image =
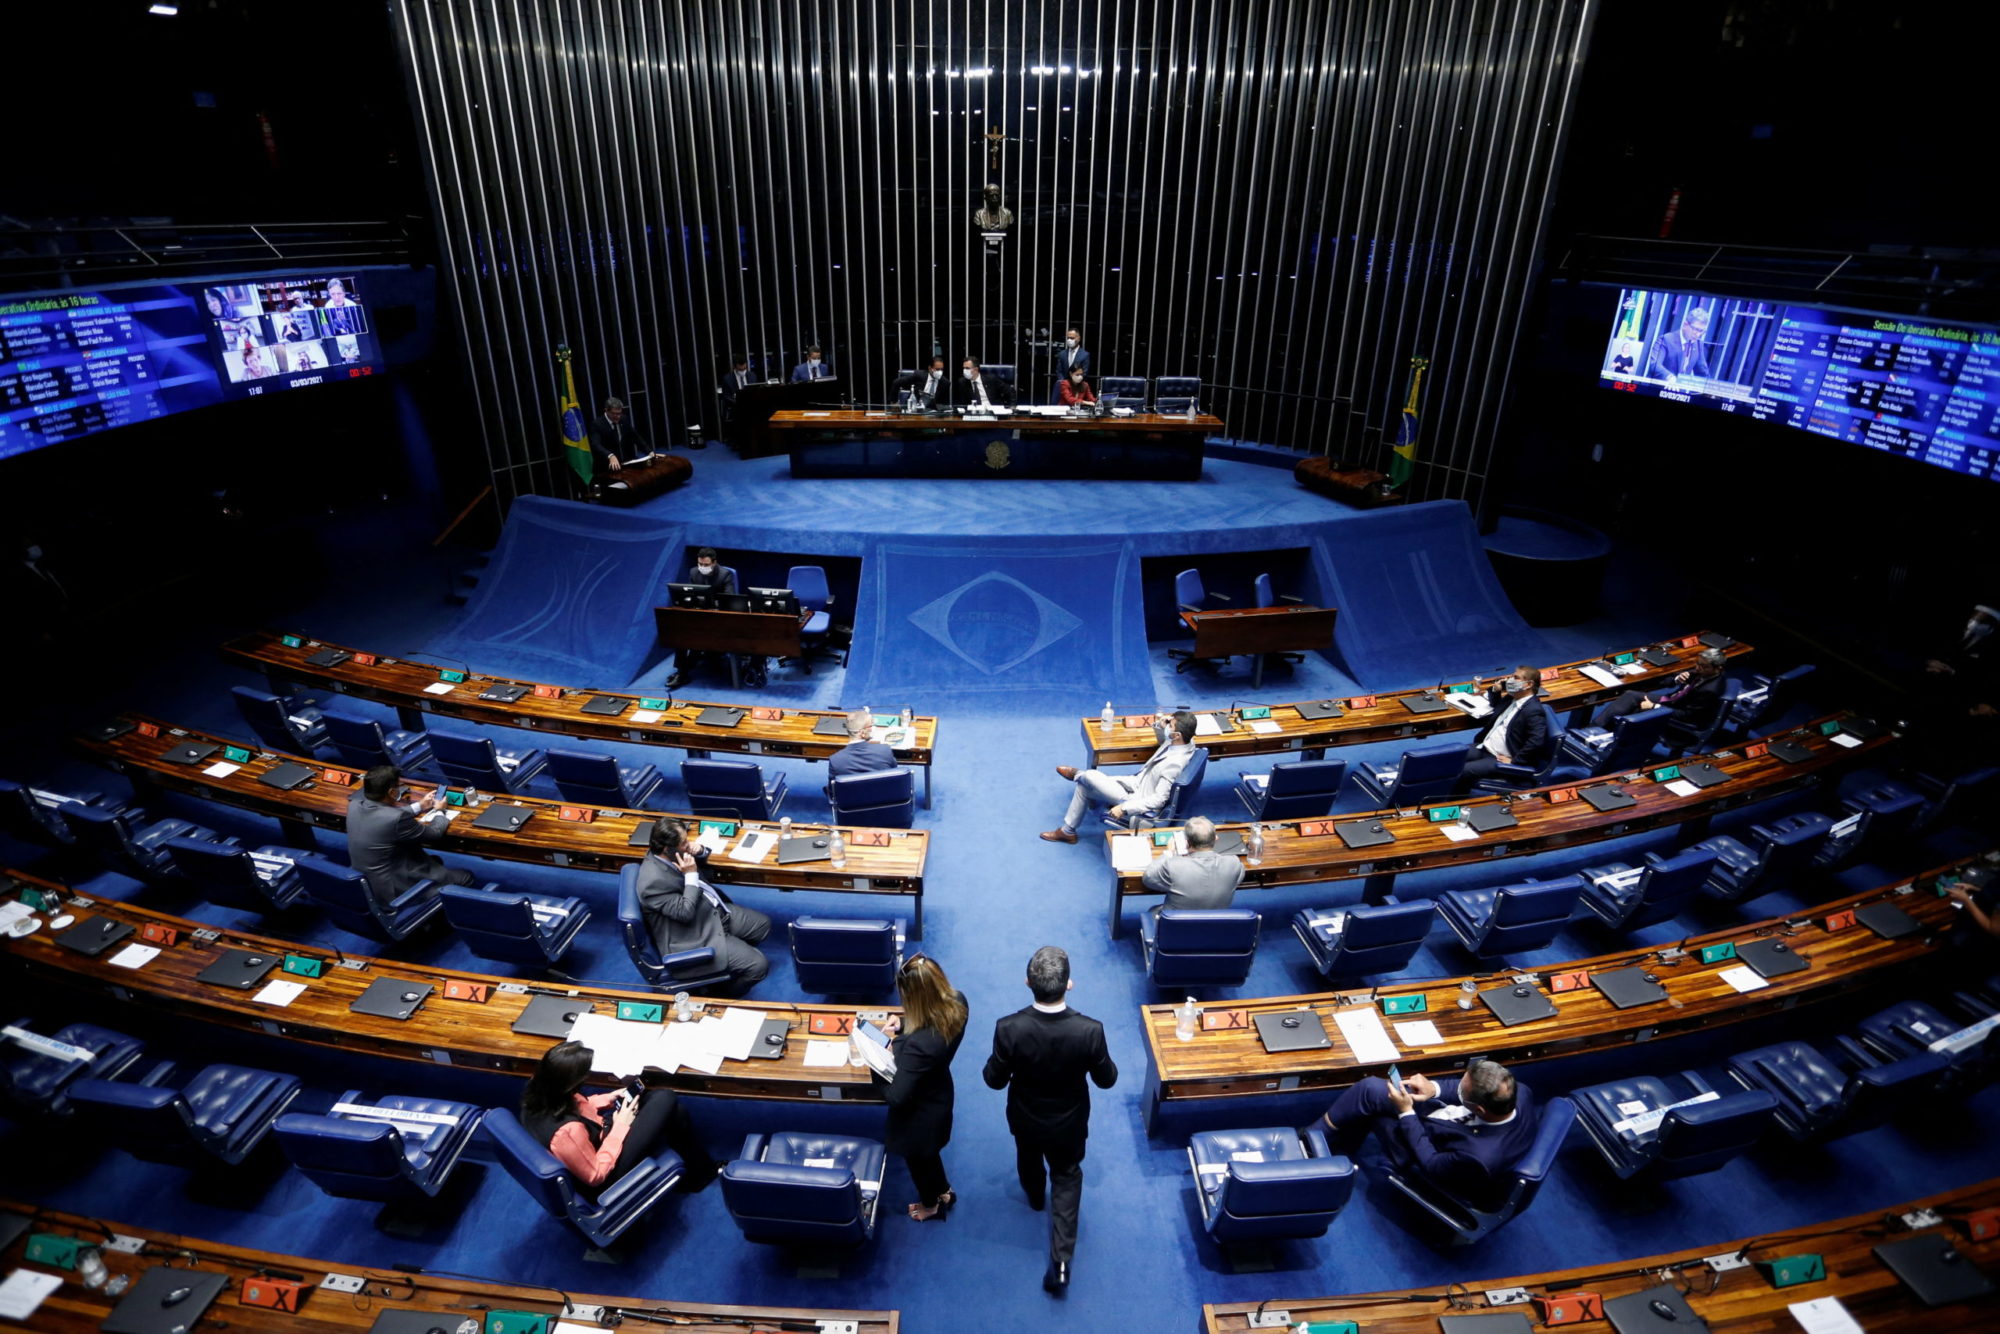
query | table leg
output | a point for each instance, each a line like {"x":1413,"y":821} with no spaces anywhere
{"x":1257,"y":673}
{"x":927,"y":787}
{"x":917,"y":916}
{"x":1117,"y":909}
{"x":735,"y":672}
{"x":1376,"y":888}
{"x":297,"y":833}
{"x":409,"y":719}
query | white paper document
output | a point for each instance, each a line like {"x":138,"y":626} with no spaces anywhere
{"x":1205,"y":725}
{"x":135,"y":956}
{"x":1824,"y":1315}
{"x":1847,"y":739}
{"x":647,"y":715}
{"x":618,"y":1046}
{"x":281,"y":992}
{"x":1680,"y":787}
{"x":11,"y":913}
{"x":1419,"y":1033}
{"x":1366,"y":1038}
{"x":732,"y":1034}
{"x":1458,"y":831}
{"x":1264,"y":725}
{"x":1599,"y":675}
{"x":754,"y":847}
{"x":1743,"y":978}
{"x":221,"y":769}
{"x":822,"y":1054}
{"x":1131,"y":852}
{"x":24,"y":1290}
{"x":438,"y":688}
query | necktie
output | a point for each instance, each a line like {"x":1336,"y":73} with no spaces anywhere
{"x":980,"y":387}
{"x":814,"y":372}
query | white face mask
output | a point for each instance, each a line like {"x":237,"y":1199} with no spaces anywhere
{"x":813,"y":360}
{"x":705,"y":567}
{"x":1070,"y":341}
{"x":972,"y":375}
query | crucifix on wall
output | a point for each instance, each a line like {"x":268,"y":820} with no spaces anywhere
{"x":994,"y":138}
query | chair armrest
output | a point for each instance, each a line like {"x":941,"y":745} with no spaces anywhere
{"x":686,"y":957}
{"x":1314,"y":1139}
{"x":754,"y":1146}
{"x":1287,"y":597}
{"x":422,"y":889}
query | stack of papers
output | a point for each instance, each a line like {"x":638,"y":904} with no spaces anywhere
{"x":1419,"y":1033}
{"x":1366,"y":1038}
{"x":282,"y":992}
{"x":1743,"y":978}
{"x":754,"y":847}
{"x":1847,"y":739}
{"x":1264,"y":725}
{"x":135,"y":956}
{"x":1680,"y":787}
{"x":623,"y":1048}
{"x":1599,"y":675}
{"x":824,"y":1055}
{"x":223,"y":768}
{"x":1131,"y":852}
{"x":1458,"y":831}
{"x":438,"y":688}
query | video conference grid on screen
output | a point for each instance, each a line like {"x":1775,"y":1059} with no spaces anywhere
{"x":72,"y":363}
{"x":1923,"y":390}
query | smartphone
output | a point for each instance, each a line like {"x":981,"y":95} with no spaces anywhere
{"x":1396,"y":1075}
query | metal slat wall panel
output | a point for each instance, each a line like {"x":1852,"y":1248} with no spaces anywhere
{"x":1289,"y":200}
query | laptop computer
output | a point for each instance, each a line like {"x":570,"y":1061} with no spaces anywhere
{"x":1627,"y":987}
{"x":1931,"y":1267}
{"x":391,"y":998}
{"x":144,"y":1309}
{"x":1657,"y":657}
{"x":286,"y":776}
{"x":791,"y":851}
{"x":1518,"y":1003}
{"x":1711,"y":639}
{"x":241,"y":969}
{"x":1486,"y":1322}
{"x":551,"y":1016}
{"x":1485,"y":819}
{"x":1317,"y":710}
{"x":190,"y":752}
{"x":507,"y":819}
{"x":1363,"y":833}
{"x":1229,"y":842}
{"x":1292,"y":1030}
{"x":328,"y":657}
{"x":94,"y":935}
{"x":1703,"y":775}
{"x":1606,"y":797}
{"x":830,"y":727}
{"x":1423,"y":703}
{"x":1640,"y":1313}
{"x":1866,"y":729}
{"x":1791,"y":752}
{"x":763,"y":1049}
{"x":606,"y":706}
{"x":725,"y":717}
{"x":110,"y":731}
{"x":503,"y":694}
{"x":1771,"y":958}
{"x":409,"y":1321}
{"x":1887,"y":920}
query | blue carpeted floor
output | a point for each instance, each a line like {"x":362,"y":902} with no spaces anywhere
{"x":996,"y":894}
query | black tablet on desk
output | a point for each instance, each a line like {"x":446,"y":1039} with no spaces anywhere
{"x":164,"y":1300}
{"x":240,"y":969}
{"x":1364,"y":834}
{"x":94,"y":935}
{"x":1887,"y":920}
{"x":1229,"y":842}
{"x":391,"y":998}
{"x":190,"y":752}
{"x":1657,"y":657}
{"x":286,"y":776}
{"x":1422,"y":703}
{"x":1703,"y":774}
{"x":1485,"y":819}
{"x":110,"y":731}
{"x":606,"y":706}
{"x":1318,"y":710}
{"x":409,"y":1321}
{"x":506,"y":819}
{"x":1518,"y":1003}
{"x":1606,"y":797}
{"x":1292,"y":1030}
{"x":830,"y":727}
{"x":721,"y":716}
{"x":1627,"y":987}
{"x":1654,"y":1311}
{"x":1791,"y":752}
{"x":1931,"y":1267}
{"x":812,"y":848}
{"x":551,"y":1016}
{"x":328,"y":657}
{"x":501,"y":694}
{"x":1771,"y":958}
{"x":642,"y":837}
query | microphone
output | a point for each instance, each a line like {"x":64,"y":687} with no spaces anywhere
{"x":1236,"y":705}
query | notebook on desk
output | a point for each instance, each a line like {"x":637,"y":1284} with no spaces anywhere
{"x":1711,"y":639}
{"x":1791,"y":752}
{"x":1772,"y":958}
{"x":1486,"y":819}
{"x":643,"y":835}
{"x":1932,"y":1267}
{"x":1640,"y":1313}
{"x":286,"y":776}
{"x":328,"y":657}
{"x":1292,"y":1030}
{"x":1518,"y":1003}
{"x":606,"y":706}
{"x":1703,"y":775}
{"x":145,"y":1309}
{"x":551,"y":1016}
{"x":792,"y":851}
{"x":830,"y":727}
{"x":391,"y":998}
{"x":409,"y":1321}
{"x":723,"y":716}
{"x":1606,"y":797}
{"x":1317,"y":710}
{"x":1887,"y":921}
{"x":1423,"y":703}
{"x":110,"y":731}
{"x":501,"y":694}
{"x":505,"y":819}
{"x":190,"y":752}
{"x":94,"y":935}
{"x":1364,"y":834}
{"x":1627,"y":987}
{"x":1657,"y":657}
{"x":239,"y":969}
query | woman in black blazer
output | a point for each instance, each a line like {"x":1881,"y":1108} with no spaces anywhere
{"x":920,"y":1096}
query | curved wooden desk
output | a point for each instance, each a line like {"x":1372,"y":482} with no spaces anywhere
{"x":75,"y":1309}
{"x":1385,"y":719}
{"x":1301,"y":852}
{"x":410,"y":688}
{"x":1740,"y":1299}
{"x":442,"y":1031}
{"x":1233,"y":1063}
{"x":893,"y":870}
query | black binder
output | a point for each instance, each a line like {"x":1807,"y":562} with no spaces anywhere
{"x":410,"y":1321}
{"x":240,"y":969}
{"x":391,"y":998}
{"x":1511,"y":1008}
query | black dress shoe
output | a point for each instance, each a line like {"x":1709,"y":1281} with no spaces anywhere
{"x":675,"y":681}
{"x":1037,"y":1203}
{"x":1056,"y":1281}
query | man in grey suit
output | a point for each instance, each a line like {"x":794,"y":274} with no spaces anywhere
{"x":1202,"y":878}
{"x":385,"y":841}
{"x":685,"y":912}
{"x":1147,"y":791}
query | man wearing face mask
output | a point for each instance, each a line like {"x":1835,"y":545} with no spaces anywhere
{"x":814,"y":367}
{"x":976,"y":391}
{"x":715,"y":576}
{"x":1519,"y":731}
{"x":1459,"y":1134}
{"x":931,"y":386}
{"x":1072,"y":358}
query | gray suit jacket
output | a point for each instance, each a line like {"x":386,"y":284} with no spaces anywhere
{"x":1204,"y":879}
{"x":1156,"y":779}
{"x":679,"y":915}
{"x":386,"y":844}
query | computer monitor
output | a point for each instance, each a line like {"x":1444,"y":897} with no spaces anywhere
{"x":780,"y":601}
{"x":692,"y":595}
{"x":732,"y":602}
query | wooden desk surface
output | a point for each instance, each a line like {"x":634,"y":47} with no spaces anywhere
{"x":404,"y":685}
{"x":1563,"y":686}
{"x":1233,"y":1063}
{"x":1549,"y":817}
{"x":1227,"y":631}
{"x":644,"y":480}
{"x":895,"y":870}
{"x":1739,"y":1300}
{"x":75,"y":1309}
{"x":846,"y":419}
{"x":454,"y":1032}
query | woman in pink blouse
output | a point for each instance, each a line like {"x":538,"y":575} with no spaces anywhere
{"x":600,"y":1137}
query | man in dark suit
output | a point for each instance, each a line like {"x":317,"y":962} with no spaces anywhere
{"x":1519,"y":729}
{"x":1202,"y":878}
{"x":385,"y":841}
{"x":1074,"y":356}
{"x":1695,"y":698}
{"x":1680,"y":352}
{"x":613,"y":444}
{"x":712,"y":574}
{"x":862,"y":755}
{"x":976,"y":391}
{"x":729,"y":386}
{"x":814,"y":367}
{"x":1041,"y":1056}
{"x":685,"y":912}
{"x":1460,"y":1134}
{"x":931,"y":385}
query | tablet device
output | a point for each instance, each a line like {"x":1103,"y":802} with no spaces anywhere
{"x":506,"y":819}
{"x":809,"y":849}
{"x":503,"y":694}
{"x":94,"y":935}
{"x":328,"y":657}
{"x":1639,"y":1313}
{"x":1307,"y":1033}
{"x":830,"y":727}
{"x":1931,"y":1267}
{"x":391,"y":998}
{"x":144,"y":1309}
{"x":1518,"y":1003}
{"x":1606,"y":797}
{"x":1887,"y":921}
{"x":606,"y":706}
{"x":1791,"y":752}
{"x":1485,"y":819}
{"x":1318,"y":710}
{"x":1364,"y":834}
{"x":190,"y":752}
{"x":551,"y":1016}
{"x":1423,"y":704}
{"x":239,"y":969}
{"x":718,"y":716}
{"x":1772,"y":958}
{"x":1703,"y":774}
{"x":1627,"y":987}
{"x":286,"y":776}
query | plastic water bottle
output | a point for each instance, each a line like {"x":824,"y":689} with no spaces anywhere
{"x":1184,"y":1021}
{"x":784,"y":827}
{"x":1190,"y":411}
{"x":683,"y":1011}
{"x":836,"y":848}
{"x":1107,"y":718}
{"x":908,"y":717}
{"x":1253,"y":846}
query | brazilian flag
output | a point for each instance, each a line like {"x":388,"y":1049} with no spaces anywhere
{"x":576,"y":447}
{"x":1403,"y":460}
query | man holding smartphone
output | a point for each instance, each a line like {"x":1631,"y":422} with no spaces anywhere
{"x":386,"y":842}
{"x":1459,"y":1133}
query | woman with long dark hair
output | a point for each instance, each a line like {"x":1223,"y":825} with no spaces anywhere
{"x":600,"y":1137}
{"x":921,"y":1094}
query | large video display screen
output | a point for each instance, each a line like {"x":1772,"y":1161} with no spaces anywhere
{"x":72,"y":363}
{"x":1923,"y":390}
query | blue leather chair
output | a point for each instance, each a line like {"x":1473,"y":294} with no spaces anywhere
{"x":1190,"y":594}
{"x":1266,"y":594}
{"x":121,"y":842}
{"x":1679,"y":741}
{"x":1944,"y":793}
{"x":32,"y":1083}
{"x":1176,"y":393}
{"x":476,"y":762}
{"x":32,"y":814}
{"x":1366,"y":938}
{"x":496,"y":923}
{"x":1292,"y":1187}
{"x":1502,"y":920}
{"x":1416,"y":776}
{"x":1123,"y":391}
{"x":381,"y":1155}
{"x":843,"y":954}
{"x":1632,"y":741}
{"x":365,"y":743}
{"x":883,"y":800}
{"x":343,"y":894}
{"x":808,"y":584}
{"x":223,"y":1112}
{"x":543,"y":1176}
{"x":255,"y":880}
{"x":587,"y":778}
{"x":1818,"y":1099}
{"x":1466,"y":1223}
{"x":1300,"y":790}
{"x":1764,"y":701}
{"x":1689,"y":1140}
{"x":1199,"y":947}
{"x":686,"y":970}
{"x":1626,"y":897}
{"x":292,"y":724}
{"x":1776,"y":849}
{"x":1180,"y":797}
{"x":1880,"y":813}
{"x":1908,"y":1028}
{"x":791,"y":1187}
{"x":732,"y":789}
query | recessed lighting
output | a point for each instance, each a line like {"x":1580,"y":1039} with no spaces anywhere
{"x":165,"y":11}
